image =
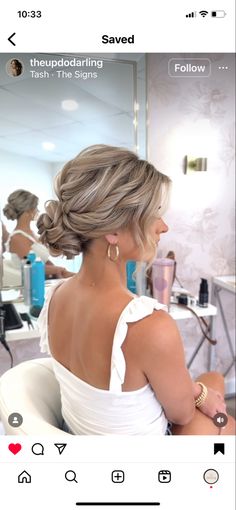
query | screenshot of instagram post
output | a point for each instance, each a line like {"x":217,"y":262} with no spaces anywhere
{"x":117,"y":268}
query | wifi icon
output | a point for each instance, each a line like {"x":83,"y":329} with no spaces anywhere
{"x":203,"y":13}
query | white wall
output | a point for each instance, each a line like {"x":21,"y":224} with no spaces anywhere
{"x":196,"y":116}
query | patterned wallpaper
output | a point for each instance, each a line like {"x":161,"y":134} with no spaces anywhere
{"x":195,"y":116}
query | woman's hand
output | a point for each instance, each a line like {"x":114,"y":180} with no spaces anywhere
{"x":65,"y":273}
{"x":57,"y":272}
{"x":213,"y":404}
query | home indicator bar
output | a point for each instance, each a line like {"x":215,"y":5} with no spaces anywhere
{"x":121,"y":503}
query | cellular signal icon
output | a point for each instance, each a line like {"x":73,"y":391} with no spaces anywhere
{"x":203,"y":13}
{"x":191,"y":14}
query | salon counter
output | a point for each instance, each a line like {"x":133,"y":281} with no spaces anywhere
{"x":23,"y":333}
{"x":179,"y":313}
{"x":23,"y":342}
{"x":24,"y":345}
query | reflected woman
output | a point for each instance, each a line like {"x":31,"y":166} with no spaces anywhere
{"x":23,"y":207}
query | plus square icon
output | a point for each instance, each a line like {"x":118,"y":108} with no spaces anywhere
{"x":118,"y":476}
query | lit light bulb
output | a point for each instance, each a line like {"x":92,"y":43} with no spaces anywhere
{"x":48,"y":146}
{"x":70,"y":105}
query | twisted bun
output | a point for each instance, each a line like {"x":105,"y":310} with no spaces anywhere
{"x":10,"y":212}
{"x":56,"y":233}
{"x":100,"y":191}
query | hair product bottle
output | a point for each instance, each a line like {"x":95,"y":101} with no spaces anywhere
{"x":37,"y":285}
{"x":203,"y":293}
{"x":31,"y":256}
{"x":23,"y":261}
{"x":26,"y":282}
{"x":141,"y":278}
{"x":131,"y":283}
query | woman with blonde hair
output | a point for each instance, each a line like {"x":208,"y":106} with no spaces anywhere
{"x":15,"y":67}
{"x":118,"y":357}
{"x":22,"y":206}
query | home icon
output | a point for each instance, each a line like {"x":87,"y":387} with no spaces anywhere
{"x":24,"y":477}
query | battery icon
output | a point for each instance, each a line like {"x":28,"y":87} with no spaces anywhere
{"x":218,"y":14}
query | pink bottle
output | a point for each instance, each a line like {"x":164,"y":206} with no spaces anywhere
{"x":162,"y":279}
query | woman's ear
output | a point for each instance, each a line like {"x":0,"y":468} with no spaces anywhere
{"x":112,"y":238}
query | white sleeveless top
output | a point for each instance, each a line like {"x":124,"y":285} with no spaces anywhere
{"x":39,"y":249}
{"x":92,"y":411}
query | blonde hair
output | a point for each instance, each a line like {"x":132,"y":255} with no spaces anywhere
{"x":19,"y":202}
{"x":101,"y":190}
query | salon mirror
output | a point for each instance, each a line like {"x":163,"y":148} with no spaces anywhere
{"x":45,"y":121}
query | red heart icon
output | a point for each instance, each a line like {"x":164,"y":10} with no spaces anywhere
{"x":14,"y":448}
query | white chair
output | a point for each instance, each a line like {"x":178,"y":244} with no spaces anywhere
{"x":32,"y":390}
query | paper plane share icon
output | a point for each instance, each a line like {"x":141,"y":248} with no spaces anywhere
{"x":60,"y":447}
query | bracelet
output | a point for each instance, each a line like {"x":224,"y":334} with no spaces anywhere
{"x":200,"y":400}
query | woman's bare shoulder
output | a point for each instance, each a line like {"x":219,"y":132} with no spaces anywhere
{"x":156,"y":331}
{"x":158,"y":319}
{"x":20,"y":245}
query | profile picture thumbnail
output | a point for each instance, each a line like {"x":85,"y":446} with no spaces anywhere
{"x":14,"y":67}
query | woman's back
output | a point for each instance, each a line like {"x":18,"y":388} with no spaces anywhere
{"x":94,"y":340}
{"x":81,"y":333}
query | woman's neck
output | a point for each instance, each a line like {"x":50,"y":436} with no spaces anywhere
{"x":23,"y":223}
{"x":99,"y":271}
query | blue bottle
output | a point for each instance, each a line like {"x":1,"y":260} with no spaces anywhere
{"x":37,"y":283}
{"x":131,"y":283}
{"x":31,"y":256}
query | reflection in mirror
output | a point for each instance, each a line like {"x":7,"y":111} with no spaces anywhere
{"x":1,"y":250}
{"x":48,"y":114}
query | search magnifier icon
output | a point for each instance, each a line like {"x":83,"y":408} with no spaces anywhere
{"x":70,"y":476}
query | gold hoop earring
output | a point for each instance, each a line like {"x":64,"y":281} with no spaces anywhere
{"x":116,"y":254}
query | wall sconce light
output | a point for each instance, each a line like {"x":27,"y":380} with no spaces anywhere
{"x":193,"y":164}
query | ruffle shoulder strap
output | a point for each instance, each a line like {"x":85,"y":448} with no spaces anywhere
{"x":136,"y":310}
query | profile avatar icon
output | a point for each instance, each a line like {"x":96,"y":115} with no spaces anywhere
{"x":14,"y":67}
{"x":15,"y":419}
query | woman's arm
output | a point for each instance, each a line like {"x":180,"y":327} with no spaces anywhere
{"x":163,"y":363}
{"x":165,"y":368}
{"x":53,"y":271}
{"x":21,"y":246}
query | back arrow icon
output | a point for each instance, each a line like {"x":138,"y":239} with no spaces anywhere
{"x":10,"y":38}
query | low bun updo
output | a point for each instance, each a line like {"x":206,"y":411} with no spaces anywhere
{"x":101,"y":190}
{"x":56,"y":233}
{"x":10,"y":212}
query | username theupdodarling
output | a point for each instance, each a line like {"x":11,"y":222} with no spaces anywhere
{"x":66,"y":62}
{"x":65,"y":68}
